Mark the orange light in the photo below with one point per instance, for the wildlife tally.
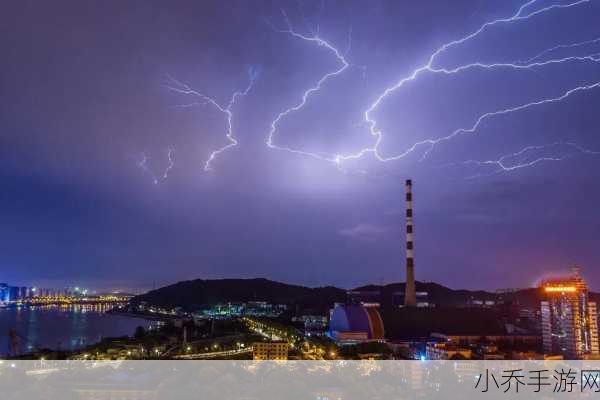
(560, 289)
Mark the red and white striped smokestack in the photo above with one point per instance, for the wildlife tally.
(410, 295)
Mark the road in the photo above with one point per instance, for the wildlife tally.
(215, 354)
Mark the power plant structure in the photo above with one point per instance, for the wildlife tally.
(358, 320)
(410, 294)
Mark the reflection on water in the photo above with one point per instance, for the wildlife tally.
(63, 327)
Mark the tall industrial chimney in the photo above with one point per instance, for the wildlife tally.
(410, 296)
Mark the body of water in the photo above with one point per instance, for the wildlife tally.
(63, 327)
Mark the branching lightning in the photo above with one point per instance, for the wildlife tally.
(525, 12)
(510, 162)
(156, 178)
(429, 67)
(185, 89)
(344, 65)
(526, 157)
(170, 165)
(561, 46)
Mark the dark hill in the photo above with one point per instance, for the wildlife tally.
(192, 295)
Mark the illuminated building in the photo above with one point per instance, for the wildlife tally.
(445, 350)
(315, 325)
(275, 350)
(251, 308)
(421, 298)
(4, 293)
(263, 309)
(569, 319)
(355, 323)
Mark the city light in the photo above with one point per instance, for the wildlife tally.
(569, 289)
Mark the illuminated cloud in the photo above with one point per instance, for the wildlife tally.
(364, 231)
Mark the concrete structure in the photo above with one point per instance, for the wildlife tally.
(569, 319)
(355, 323)
(410, 297)
(275, 350)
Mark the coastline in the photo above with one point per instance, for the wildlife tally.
(62, 331)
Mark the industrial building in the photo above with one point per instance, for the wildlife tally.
(355, 323)
(360, 321)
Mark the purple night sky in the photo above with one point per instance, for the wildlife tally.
(93, 102)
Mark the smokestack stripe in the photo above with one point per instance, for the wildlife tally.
(410, 298)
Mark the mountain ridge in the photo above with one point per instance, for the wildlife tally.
(197, 293)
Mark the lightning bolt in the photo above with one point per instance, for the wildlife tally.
(525, 12)
(561, 46)
(143, 164)
(156, 178)
(521, 107)
(344, 65)
(429, 67)
(185, 89)
(522, 158)
(171, 163)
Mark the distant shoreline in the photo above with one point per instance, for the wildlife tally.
(148, 316)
